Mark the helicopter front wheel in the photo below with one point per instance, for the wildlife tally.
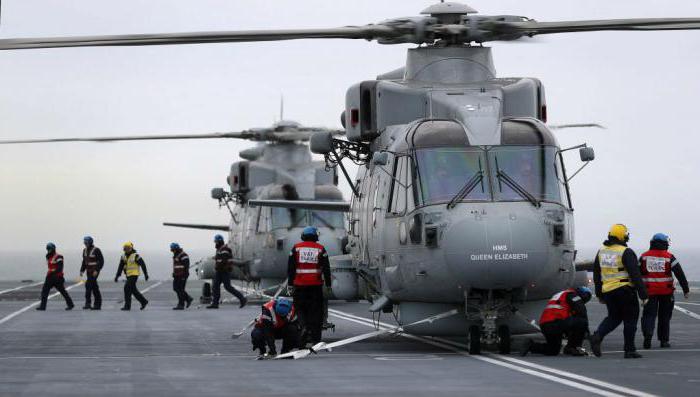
(475, 339)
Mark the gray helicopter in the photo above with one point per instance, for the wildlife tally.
(280, 167)
(463, 202)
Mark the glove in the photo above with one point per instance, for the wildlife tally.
(173, 275)
(81, 274)
(644, 302)
(327, 291)
(686, 295)
(290, 290)
(116, 279)
(147, 277)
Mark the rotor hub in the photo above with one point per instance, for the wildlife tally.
(449, 12)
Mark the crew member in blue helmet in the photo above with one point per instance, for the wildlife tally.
(278, 320)
(92, 265)
(181, 271)
(223, 267)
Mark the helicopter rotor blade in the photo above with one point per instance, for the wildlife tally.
(532, 27)
(576, 125)
(218, 135)
(367, 32)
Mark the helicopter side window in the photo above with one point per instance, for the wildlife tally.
(398, 187)
(525, 173)
(444, 171)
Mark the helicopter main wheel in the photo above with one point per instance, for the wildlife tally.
(503, 339)
(206, 294)
(475, 339)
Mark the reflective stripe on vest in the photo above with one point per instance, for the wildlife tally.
(307, 257)
(90, 258)
(655, 266)
(130, 265)
(612, 270)
(178, 268)
(53, 264)
(557, 308)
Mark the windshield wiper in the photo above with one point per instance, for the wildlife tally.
(466, 189)
(517, 187)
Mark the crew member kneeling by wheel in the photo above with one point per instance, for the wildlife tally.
(278, 320)
(308, 269)
(564, 315)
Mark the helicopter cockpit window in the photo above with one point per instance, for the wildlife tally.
(329, 219)
(399, 186)
(288, 218)
(525, 173)
(444, 171)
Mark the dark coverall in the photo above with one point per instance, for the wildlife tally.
(622, 303)
(264, 334)
(575, 327)
(309, 300)
(130, 285)
(93, 269)
(223, 267)
(54, 279)
(662, 305)
(181, 271)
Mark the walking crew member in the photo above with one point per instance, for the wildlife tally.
(129, 264)
(93, 261)
(616, 276)
(54, 278)
(308, 268)
(565, 314)
(181, 270)
(223, 267)
(277, 321)
(658, 267)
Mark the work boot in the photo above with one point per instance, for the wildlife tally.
(213, 306)
(664, 344)
(574, 351)
(125, 308)
(41, 308)
(96, 308)
(87, 307)
(526, 347)
(243, 303)
(595, 341)
(647, 342)
(179, 307)
(632, 355)
(188, 302)
(70, 307)
(143, 305)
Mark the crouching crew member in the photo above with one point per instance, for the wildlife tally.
(129, 264)
(308, 269)
(616, 276)
(223, 267)
(565, 314)
(658, 266)
(277, 321)
(54, 278)
(93, 261)
(181, 271)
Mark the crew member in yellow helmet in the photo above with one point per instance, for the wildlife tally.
(618, 281)
(129, 264)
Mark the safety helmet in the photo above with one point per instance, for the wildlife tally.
(283, 306)
(88, 240)
(51, 247)
(174, 246)
(620, 232)
(661, 237)
(309, 231)
(218, 238)
(129, 244)
(584, 292)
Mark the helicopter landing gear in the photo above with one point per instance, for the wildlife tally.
(487, 311)
(503, 339)
(205, 299)
(475, 339)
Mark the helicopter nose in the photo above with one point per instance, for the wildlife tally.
(497, 251)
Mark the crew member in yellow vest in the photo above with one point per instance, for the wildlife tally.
(130, 264)
(618, 281)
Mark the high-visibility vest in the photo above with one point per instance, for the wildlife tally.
(269, 314)
(131, 267)
(307, 257)
(656, 272)
(223, 261)
(179, 269)
(53, 262)
(90, 259)
(557, 308)
(612, 271)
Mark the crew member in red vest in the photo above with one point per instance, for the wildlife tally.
(277, 321)
(54, 278)
(181, 271)
(93, 262)
(564, 315)
(308, 270)
(658, 267)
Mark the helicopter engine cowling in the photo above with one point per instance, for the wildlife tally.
(345, 284)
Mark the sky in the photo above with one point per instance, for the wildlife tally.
(643, 86)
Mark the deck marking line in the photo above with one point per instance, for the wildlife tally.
(24, 309)
(21, 287)
(688, 312)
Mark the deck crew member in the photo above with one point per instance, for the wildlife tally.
(223, 267)
(617, 283)
(565, 314)
(129, 264)
(278, 320)
(54, 278)
(93, 261)
(181, 271)
(658, 266)
(308, 269)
